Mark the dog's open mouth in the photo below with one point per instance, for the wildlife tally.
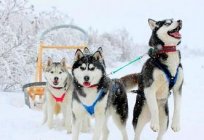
(55, 82)
(175, 32)
(86, 84)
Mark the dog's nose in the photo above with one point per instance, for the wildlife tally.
(179, 21)
(56, 78)
(86, 78)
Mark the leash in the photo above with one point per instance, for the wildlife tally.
(131, 62)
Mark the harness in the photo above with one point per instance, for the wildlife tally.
(171, 79)
(59, 99)
(90, 108)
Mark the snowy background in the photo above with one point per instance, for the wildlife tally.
(120, 27)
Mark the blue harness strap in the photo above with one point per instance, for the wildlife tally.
(90, 109)
(171, 79)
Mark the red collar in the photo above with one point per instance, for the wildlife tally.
(59, 99)
(57, 87)
(93, 86)
(166, 49)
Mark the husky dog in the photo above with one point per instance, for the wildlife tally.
(58, 93)
(161, 73)
(97, 95)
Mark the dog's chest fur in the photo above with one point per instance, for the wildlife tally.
(161, 81)
(172, 62)
(91, 95)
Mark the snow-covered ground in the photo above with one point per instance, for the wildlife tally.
(18, 122)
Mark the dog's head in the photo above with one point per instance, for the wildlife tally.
(56, 72)
(88, 69)
(165, 32)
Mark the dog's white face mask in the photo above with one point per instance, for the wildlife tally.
(87, 73)
(56, 73)
(168, 32)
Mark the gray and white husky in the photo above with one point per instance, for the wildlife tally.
(161, 74)
(58, 93)
(97, 95)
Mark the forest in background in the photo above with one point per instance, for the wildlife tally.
(20, 27)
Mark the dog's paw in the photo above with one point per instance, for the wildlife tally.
(175, 124)
(175, 127)
(154, 125)
(85, 129)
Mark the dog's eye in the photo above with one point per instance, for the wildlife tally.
(82, 68)
(52, 72)
(167, 24)
(60, 72)
(93, 68)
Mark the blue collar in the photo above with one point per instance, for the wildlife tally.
(171, 79)
(90, 109)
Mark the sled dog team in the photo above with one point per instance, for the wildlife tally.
(89, 92)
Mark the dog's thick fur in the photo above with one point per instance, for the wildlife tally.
(91, 68)
(59, 81)
(153, 86)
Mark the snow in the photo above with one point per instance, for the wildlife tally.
(18, 122)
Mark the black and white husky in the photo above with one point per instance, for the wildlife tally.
(161, 73)
(97, 95)
(58, 93)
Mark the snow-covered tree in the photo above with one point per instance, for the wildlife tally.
(20, 27)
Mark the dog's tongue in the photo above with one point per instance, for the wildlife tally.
(86, 84)
(176, 34)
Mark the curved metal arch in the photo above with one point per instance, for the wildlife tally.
(65, 26)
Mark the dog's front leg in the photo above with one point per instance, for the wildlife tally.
(85, 127)
(50, 113)
(100, 120)
(67, 113)
(177, 91)
(78, 113)
(150, 95)
(177, 109)
(76, 128)
(44, 113)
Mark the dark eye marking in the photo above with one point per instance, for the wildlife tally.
(82, 68)
(91, 69)
(60, 72)
(168, 22)
(52, 72)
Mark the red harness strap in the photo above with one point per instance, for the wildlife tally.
(166, 49)
(59, 99)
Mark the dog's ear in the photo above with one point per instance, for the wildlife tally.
(49, 61)
(63, 62)
(97, 55)
(78, 55)
(86, 50)
(100, 50)
(152, 23)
